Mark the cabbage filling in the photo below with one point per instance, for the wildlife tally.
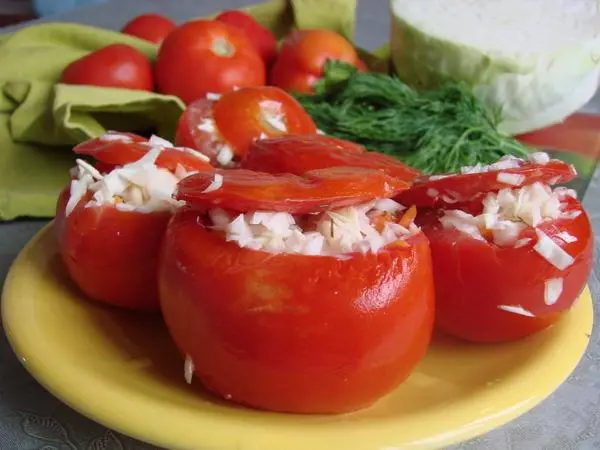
(363, 228)
(140, 186)
(509, 212)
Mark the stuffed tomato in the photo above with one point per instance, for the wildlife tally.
(508, 262)
(110, 223)
(308, 294)
(223, 126)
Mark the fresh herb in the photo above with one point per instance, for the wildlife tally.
(436, 131)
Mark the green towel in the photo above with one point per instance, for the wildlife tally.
(41, 119)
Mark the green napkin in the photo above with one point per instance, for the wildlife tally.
(41, 119)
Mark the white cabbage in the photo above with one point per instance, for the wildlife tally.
(536, 61)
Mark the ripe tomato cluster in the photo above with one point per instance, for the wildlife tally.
(211, 56)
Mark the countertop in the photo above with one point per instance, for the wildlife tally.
(567, 420)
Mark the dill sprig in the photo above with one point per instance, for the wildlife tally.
(436, 131)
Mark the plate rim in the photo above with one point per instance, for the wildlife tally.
(378, 431)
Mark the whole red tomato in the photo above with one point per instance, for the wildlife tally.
(116, 65)
(205, 56)
(262, 38)
(240, 117)
(295, 333)
(302, 58)
(487, 293)
(150, 27)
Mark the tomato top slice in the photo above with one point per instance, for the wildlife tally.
(239, 117)
(259, 112)
(317, 190)
(299, 154)
(114, 152)
(462, 187)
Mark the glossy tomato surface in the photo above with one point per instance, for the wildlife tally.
(473, 278)
(246, 115)
(116, 65)
(241, 117)
(205, 56)
(190, 132)
(303, 55)
(454, 188)
(112, 153)
(299, 154)
(261, 37)
(304, 334)
(315, 191)
(111, 255)
(150, 27)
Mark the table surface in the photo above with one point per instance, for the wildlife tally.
(567, 420)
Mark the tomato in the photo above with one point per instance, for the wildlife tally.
(457, 188)
(261, 37)
(295, 333)
(303, 55)
(116, 65)
(242, 116)
(111, 255)
(299, 154)
(207, 56)
(150, 27)
(115, 152)
(476, 279)
(316, 190)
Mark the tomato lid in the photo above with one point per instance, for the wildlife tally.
(300, 154)
(315, 191)
(508, 172)
(118, 149)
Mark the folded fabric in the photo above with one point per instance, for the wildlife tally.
(41, 119)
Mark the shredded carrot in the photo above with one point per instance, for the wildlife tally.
(408, 217)
(380, 220)
(486, 233)
(399, 243)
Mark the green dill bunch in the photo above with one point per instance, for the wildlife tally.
(435, 131)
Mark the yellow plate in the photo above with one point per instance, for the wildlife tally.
(121, 370)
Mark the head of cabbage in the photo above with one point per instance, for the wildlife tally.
(527, 85)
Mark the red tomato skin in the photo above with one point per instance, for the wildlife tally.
(261, 37)
(472, 278)
(295, 333)
(116, 65)
(239, 120)
(303, 55)
(464, 188)
(111, 255)
(205, 56)
(188, 134)
(299, 154)
(150, 27)
(111, 154)
(314, 191)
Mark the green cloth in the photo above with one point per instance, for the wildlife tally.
(41, 119)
